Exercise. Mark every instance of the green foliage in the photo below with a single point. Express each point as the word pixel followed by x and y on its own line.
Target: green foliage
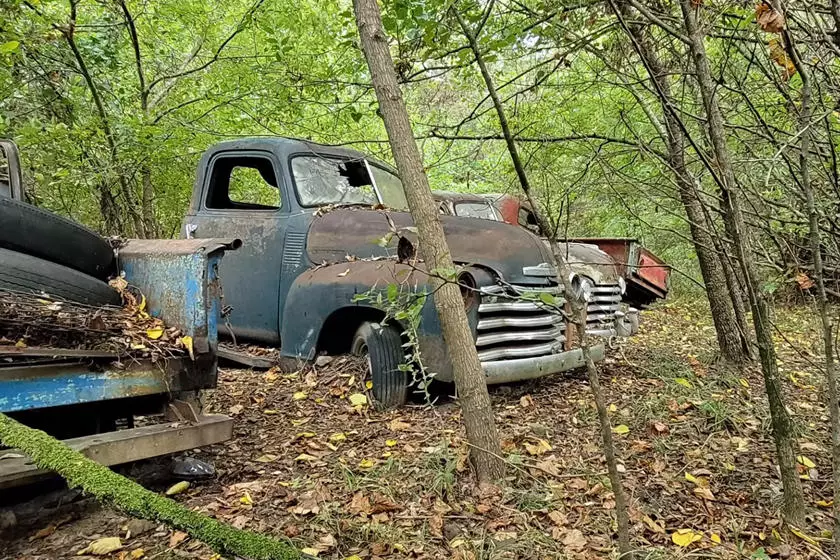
pixel 128 496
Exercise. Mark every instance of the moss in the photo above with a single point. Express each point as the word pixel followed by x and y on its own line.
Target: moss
pixel 131 498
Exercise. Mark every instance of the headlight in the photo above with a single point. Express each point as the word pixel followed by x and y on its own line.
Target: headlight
pixel 622 285
pixel 586 286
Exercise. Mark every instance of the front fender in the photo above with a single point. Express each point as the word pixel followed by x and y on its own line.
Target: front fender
pixel 319 292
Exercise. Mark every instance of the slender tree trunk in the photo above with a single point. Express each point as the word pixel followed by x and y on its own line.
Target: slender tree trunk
pixel 815 238
pixel 485 451
pixel 731 337
pixel 578 307
pixel 793 507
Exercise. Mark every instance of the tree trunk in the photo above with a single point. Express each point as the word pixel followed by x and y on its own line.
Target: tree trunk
pixel 793 507
pixel 578 307
pixel 815 238
pixel 731 337
pixel 485 451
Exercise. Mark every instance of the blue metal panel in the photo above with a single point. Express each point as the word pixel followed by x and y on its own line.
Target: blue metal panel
pixel 26 388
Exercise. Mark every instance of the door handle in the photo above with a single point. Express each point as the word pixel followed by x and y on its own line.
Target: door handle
pixel 190 229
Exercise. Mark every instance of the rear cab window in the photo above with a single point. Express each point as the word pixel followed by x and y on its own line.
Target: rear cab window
pixel 243 182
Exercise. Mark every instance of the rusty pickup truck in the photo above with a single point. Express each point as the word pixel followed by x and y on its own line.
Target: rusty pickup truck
pixel 313 218
pixel 647 277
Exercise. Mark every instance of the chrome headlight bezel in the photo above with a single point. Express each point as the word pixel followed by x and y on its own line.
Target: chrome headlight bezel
pixel 622 285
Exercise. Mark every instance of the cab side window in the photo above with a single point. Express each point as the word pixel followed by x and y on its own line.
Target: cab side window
pixel 243 183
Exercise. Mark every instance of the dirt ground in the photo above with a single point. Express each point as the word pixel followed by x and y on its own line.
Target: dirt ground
pixel 349 482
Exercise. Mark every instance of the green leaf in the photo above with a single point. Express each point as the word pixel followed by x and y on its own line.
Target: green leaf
pixel 547 298
pixel 9 47
pixel 393 292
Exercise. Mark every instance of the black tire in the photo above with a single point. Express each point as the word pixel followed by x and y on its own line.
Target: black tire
pixel 383 347
pixel 31 230
pixel 25 273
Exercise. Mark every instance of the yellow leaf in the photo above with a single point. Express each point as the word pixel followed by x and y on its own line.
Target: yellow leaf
pixel 744 383
pixel 354 557
pixel 613 408
pixel 390 442
pixel 803 460
pixel 269 411
pixel 187 341
pixel 267 458
pixel 684 537
pixel 246 499
pixel 177 488
pixel 715 538
pixel 825 504
pixel 386 454
pixel 803 536
pixel 311 551
pixel 682 381
pixel 306 435
pixel 357 399
pixel 338 437
pixel 20 344
pixel 299 396
pixel 368 386
pixel 621 429
pixel 136 554
pixel 154 333
pixel 101 547
pixel 538 448
pixel 690 477
pixel 305 457
pixel 366 463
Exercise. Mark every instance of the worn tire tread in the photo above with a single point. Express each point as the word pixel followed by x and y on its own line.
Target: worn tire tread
pixel 34 231
pixel 24 273
pixel 390 384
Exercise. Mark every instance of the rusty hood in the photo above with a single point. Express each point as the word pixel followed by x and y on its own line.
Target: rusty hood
pixel 588 260
pixel 358 232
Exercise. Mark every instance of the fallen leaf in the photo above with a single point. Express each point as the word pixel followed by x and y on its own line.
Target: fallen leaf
pixel 803 460
pixel 715 538
pixel 313 551
pixel 103 546
pixel 136 554
pixel 343 274
pixel 367 463
pixel 704 493
pixel 177 488
pixel 574 540
pixel 236 409
pixel 246 499
pixel 338 437
pixel 357 399
pixel 526 401
pixel 539 448
pixel 684 537
pixel 436 525
pixel 267 458
pixel 299 396
pixel 187 342
pixel 303 457
pixel 45 532
pixel 621 429
pixel 177 538
pixel 360 504
pixel 390 442
pixel 653 525
pixel 558 518
pixel 154 333
pixel 397 425
pixel 684 382
pixel 825 503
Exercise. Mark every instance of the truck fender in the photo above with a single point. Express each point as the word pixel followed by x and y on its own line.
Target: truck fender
pixel 320 312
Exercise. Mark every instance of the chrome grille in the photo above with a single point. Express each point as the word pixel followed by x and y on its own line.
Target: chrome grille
pixel 510 327
pixel 602 308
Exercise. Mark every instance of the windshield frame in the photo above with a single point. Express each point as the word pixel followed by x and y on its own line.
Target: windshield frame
pixel 369 164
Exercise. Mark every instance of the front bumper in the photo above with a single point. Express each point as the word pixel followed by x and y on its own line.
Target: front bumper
pixel 506 371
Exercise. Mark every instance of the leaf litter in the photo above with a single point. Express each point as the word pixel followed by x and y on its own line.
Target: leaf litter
pixel 343 480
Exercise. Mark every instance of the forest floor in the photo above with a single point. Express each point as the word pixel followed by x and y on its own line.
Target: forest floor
pixel 350 482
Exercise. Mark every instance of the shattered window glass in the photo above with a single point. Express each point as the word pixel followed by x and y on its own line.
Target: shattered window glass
pixel 322 181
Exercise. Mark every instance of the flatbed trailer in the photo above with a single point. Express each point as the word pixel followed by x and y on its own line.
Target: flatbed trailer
pixel 92 400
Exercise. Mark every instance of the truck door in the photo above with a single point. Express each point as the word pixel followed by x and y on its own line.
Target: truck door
pixel 243 198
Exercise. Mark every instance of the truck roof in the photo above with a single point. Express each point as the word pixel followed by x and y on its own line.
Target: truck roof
pixel 286 146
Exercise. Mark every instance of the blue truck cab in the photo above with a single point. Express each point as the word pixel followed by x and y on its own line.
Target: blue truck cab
pixel 314 221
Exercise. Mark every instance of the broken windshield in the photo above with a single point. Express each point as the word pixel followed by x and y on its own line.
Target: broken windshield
pixel 322 181
pixel 481 210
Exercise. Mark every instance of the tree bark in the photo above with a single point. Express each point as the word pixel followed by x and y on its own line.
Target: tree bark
pixel 578 307
pixel 793 507
pixel 815 239
pixel 485 452
pixel 731 336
